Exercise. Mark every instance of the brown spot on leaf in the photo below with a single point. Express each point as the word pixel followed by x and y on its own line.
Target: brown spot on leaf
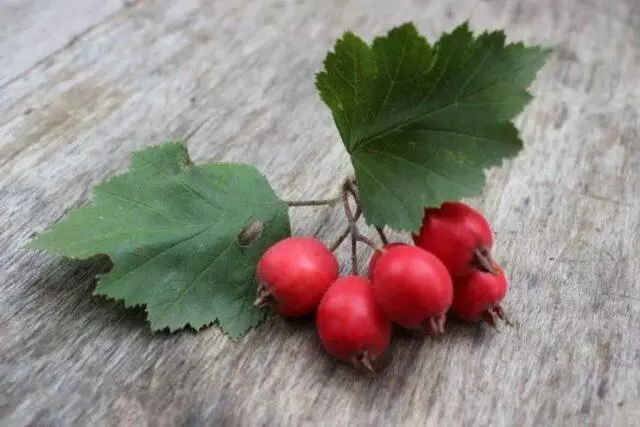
pixel 250 233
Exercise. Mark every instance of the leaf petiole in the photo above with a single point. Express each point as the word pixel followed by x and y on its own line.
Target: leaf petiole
pixel 319 202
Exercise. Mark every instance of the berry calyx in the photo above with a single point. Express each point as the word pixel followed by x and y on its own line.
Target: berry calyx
pixel 478 296
pixel 413 287
pixel 294 274
pixel 378 253
pixel 459 236
pixel 351 325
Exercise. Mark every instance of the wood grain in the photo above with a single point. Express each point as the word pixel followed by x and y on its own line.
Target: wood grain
pixel 236 79
pixel 32 31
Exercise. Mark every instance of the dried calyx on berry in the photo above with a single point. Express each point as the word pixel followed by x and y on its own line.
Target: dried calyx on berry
pixel 294 274
pixel 459 236
pixel 477 297
pixel 413 287
pixel 351 325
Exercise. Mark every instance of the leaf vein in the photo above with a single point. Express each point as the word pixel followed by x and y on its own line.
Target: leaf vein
pixel 169 304
pixel 165 250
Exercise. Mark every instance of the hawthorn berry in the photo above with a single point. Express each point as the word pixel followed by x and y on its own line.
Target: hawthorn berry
pixel 413 287
pixel 351 325
pixel 459 236
pixel 377 254
pixel 478 296
pixel 294 274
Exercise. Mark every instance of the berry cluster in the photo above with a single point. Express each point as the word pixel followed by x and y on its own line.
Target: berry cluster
pixel 449 270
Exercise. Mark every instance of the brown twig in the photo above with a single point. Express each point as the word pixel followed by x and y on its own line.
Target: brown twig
pixel 350 189
pixel 354 254
pixel 320 202
pixel 346 232
pixel 383 237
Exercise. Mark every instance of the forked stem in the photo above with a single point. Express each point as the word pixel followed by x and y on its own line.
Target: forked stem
pixel 350 189
pixel 346 232
pixel 352 227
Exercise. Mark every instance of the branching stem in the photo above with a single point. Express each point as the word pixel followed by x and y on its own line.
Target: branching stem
pixel 346 232
pixel 348 189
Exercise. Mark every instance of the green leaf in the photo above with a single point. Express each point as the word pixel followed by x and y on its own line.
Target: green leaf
pixel 171 229
pixel 422 122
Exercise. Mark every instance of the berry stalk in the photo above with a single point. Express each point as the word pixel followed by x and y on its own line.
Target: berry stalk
pixel 383 236
pixel 346 232
pixel 350 189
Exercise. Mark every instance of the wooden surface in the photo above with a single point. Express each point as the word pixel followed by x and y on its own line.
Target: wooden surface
pixel 79 92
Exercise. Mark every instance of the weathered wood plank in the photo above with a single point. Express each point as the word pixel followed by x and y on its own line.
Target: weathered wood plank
pixel 33 30
pixel 236 78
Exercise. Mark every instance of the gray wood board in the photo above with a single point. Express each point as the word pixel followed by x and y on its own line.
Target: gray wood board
pixel 236 79
pixel 33 31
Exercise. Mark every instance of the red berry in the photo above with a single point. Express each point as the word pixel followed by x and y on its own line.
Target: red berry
pixel 377 254
pixel 294 274
pixel 477 297
pixel 459 235
pixel 413 287
pixel 351 325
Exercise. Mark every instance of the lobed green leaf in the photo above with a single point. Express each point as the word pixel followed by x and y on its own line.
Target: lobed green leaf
pixel 171 229
pixel 422 122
